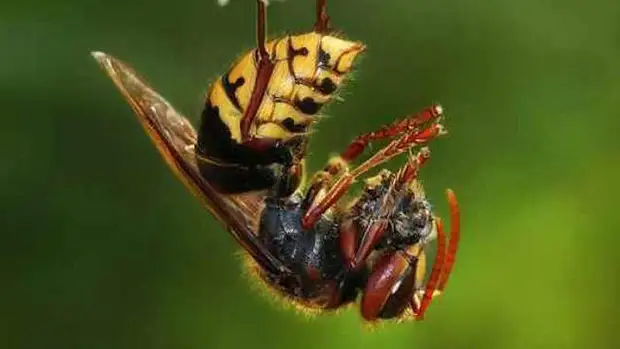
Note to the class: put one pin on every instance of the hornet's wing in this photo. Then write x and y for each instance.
(174, 137)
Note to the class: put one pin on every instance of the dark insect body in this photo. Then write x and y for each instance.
(246, 164)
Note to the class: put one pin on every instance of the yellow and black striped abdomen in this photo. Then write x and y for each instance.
(307, 71)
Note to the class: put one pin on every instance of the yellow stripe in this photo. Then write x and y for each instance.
(228, 113)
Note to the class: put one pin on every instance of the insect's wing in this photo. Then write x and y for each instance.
(174, 137)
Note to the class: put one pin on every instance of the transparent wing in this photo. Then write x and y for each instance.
(174, 137)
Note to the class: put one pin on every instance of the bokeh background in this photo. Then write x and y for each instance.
(101, 247)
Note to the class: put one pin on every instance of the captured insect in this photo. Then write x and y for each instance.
(305, 241)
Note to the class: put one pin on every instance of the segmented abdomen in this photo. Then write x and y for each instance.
(308, 70)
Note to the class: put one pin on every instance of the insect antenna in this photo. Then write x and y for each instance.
(434, 278)
(444, 259)
(455, 236)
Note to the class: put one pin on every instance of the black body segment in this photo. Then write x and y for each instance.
(232, 167)
(314, 255)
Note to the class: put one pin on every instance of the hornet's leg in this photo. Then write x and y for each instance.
(394, 148)
(338, 164)
(263, 73)
(322, 19)
(411, 123)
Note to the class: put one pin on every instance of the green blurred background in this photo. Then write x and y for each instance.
(101, 247)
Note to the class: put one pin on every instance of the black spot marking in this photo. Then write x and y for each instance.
(297, 52)
(231, 89)
(308, 106)
(290, 125)
(323, 58)
(327, 86)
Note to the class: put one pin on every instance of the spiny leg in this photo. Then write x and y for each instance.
(264, 70)
(408, 173)
(394, 148)
(339, 164)
(261, 24)
(408, 124)
(322, 19)
(398, 128)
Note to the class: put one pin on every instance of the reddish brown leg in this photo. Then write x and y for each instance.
(340, 187)
(322, 19)
(399, 146)
(336, 165)
(410, 171)
(261, 24)
(263, 73)
(398, 128)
